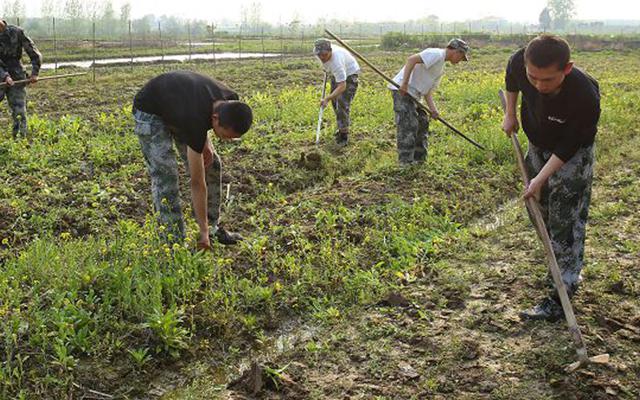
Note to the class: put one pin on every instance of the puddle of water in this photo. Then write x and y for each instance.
(147, 59)
(201, 44)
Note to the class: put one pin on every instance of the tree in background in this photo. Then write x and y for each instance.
(108, 18)
(92, 9)
(48, 9)
(125, 13)
(108, 14)
(545, 19)
(74, 11)
(144, 25)
(295, 23)
(13, 10)
(561, 11)
(255, 16)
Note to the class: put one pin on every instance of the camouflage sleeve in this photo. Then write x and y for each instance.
(32, 51)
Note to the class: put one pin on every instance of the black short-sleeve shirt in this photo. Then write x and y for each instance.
(564, 122)
(184, 100)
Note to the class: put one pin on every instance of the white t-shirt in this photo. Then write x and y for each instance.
(341, 65)
(426, 76)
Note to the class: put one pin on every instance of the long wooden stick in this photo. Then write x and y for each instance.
(392, 82)
(324, 92)
(534, 209)
(45, 78)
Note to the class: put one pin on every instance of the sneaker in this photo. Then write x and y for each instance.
(548, 310)
(227, 238)
(342, 138)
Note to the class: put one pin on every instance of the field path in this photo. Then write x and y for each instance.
(472, 344)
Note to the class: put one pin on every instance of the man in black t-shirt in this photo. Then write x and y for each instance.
(560, 112)
(180, 107)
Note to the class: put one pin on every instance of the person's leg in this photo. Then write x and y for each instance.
(332, 87)
(157, 147)
(422, 136)
(564, 205)
(534, 161)
(17, 100)
(214, 189)
(406, 118)
(343, 109)
(214, 193)
(569, 200)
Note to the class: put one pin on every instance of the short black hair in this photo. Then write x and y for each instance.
(547, 50)
(235, 115)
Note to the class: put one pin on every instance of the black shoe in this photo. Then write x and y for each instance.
(549, 310)
(227, 238)
(342, 138)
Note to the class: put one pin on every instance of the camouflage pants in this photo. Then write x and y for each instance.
(564, 204)
(160, 159)
(413, 129)
(17, 99)
(342, 105)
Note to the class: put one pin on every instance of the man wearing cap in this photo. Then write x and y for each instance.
(344, 70)
(560, 113)
(12, 41)
(180, 107)
(425, 70)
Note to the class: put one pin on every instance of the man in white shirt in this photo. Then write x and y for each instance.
(425, 70)
(344, 71)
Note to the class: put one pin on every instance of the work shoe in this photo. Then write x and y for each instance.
(227, 238)
(342, 138)
(549, 310)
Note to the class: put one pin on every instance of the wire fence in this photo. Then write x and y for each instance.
(98, 44)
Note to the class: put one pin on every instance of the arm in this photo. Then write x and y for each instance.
(408, 69)
(535, 185)
(199, 194)
(342, 86)
(34, 55)
(510, 122)
(432, 105)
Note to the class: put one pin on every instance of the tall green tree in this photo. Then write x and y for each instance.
(545, 19)
(13, 9)
(125, 13)
(561, 11)
(49, 8)
(74, 11)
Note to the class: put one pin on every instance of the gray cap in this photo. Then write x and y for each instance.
(461, 45)
(321, 45)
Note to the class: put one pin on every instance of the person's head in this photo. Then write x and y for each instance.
(547, 60)
(231, 119)
(457, 50)
(322, 49)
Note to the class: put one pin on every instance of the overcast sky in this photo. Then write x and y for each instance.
(275, 11)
